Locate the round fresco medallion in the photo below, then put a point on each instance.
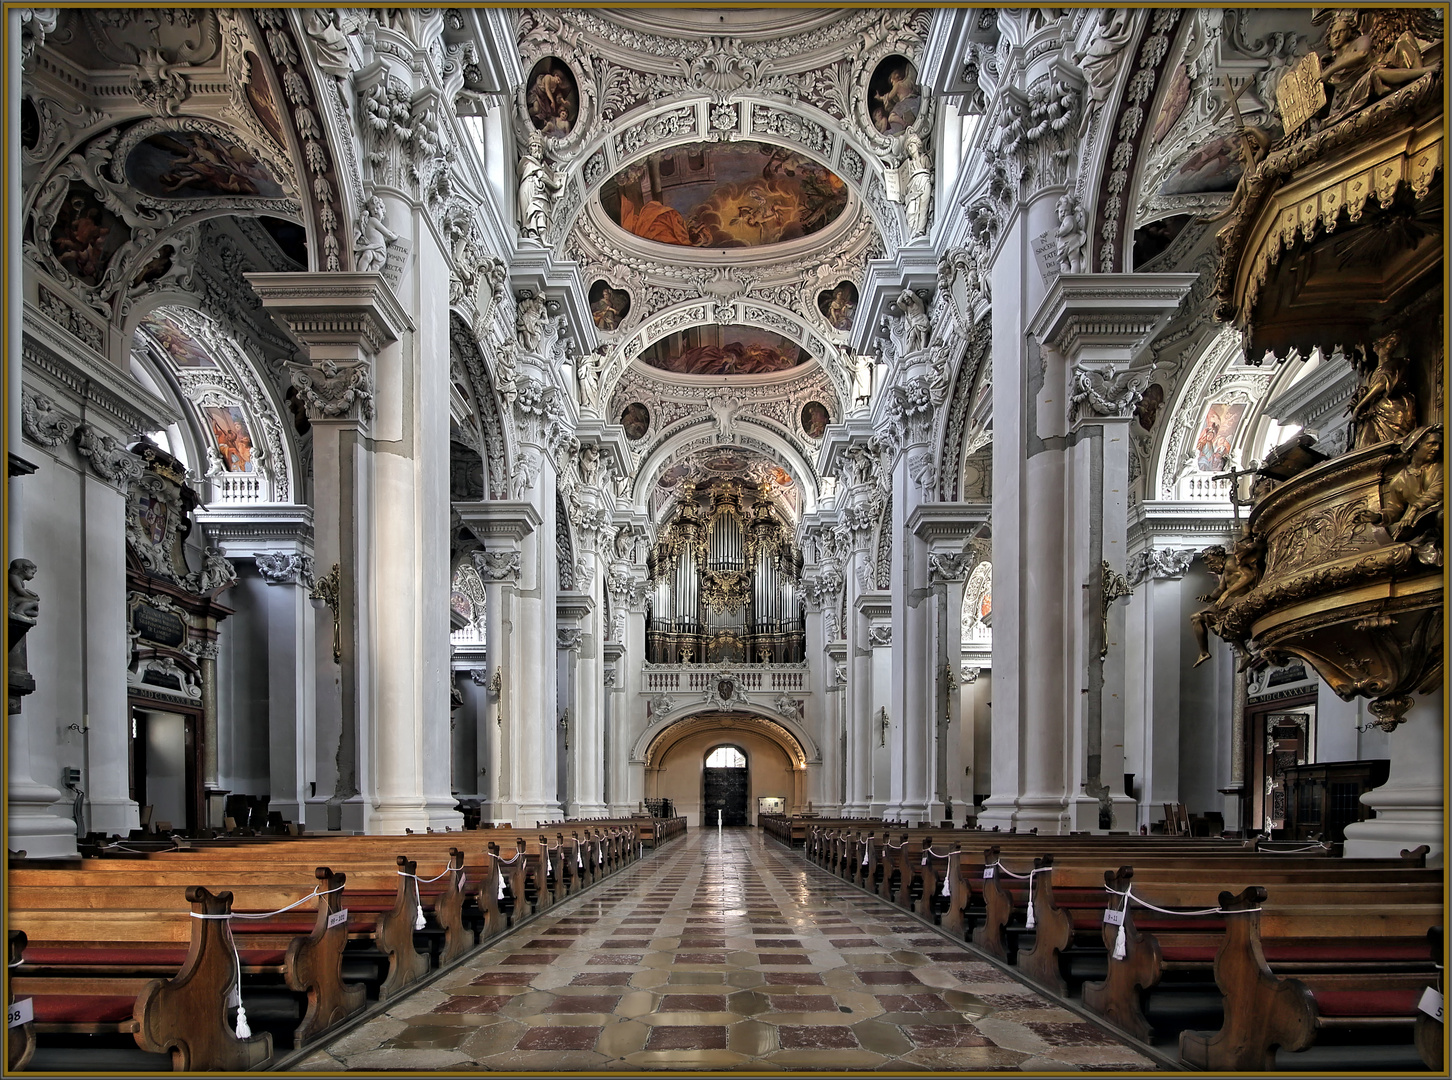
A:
(838, 305)
(552, 98)
(724, 195)
(724, 350)
(608, 307)
(635, 419)
(894, 97)
(815, 419)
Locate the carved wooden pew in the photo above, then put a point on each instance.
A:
(186, 1016)
(1295, 975)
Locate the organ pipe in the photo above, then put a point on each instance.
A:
(725, 582)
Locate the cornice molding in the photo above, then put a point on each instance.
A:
(84, 377)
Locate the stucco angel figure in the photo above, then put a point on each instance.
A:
(917, 188)
(370, 253)
(1071, 234)
(24, 604)
(538, 186)
(1239, 570)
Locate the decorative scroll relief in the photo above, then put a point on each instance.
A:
(43, 423)
(673, 124)
(790, 127)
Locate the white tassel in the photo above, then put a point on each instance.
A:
(579, 862)
(946, 883)
(1118, 952)
(501, 887)
(1028, 923)
(234, 997)
(243, 1031)
(418, 922)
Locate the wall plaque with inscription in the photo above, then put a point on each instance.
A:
(159, 626)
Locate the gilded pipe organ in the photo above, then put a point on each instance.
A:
(725, 579)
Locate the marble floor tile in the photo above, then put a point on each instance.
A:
(721, 956)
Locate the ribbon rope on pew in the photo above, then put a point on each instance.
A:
(1029, 877)
(1199, 913)
(244, 1031)
(931, 851)
(1322, 846)
(507, 862)
(418, 919)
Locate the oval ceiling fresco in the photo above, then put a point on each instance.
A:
(724, 195)
(724, 350)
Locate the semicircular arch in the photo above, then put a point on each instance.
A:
(739, 312)
(651, 746)
(699, 433)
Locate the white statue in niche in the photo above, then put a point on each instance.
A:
(587, 371)
(916, 326)
(538, 186)
(917, 187)
(370, 253)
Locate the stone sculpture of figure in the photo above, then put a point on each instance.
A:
(916, 326)
(1071, 235)
(538, 185)
(1358, 70)
(214, 462)
(330, 44)
(918, 186)
(370, 253)
(589, 460)
(530, 317)
(24, 604)
(1412, 496)
(1385, 410)
(588, 373)
(1239, 572)
(1099, 49)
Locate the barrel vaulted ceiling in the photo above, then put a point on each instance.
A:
(721, 196)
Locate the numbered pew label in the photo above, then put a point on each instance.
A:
(1113, 917)
(1431, 1004)
(23, 1011)
(338, 918)
(988, 872)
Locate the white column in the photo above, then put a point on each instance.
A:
(508, 531)
(380, 477)
(107, 654)
(1409, 805)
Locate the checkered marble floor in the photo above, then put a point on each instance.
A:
(725, 953)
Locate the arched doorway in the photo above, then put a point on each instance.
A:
(724, 783)
(675, 758)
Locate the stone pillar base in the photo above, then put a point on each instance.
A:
(442, 815)
(39, 833)
(1409, 805)
(528, 814)
(113, 817)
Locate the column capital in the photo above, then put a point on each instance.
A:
(1107, 319)
(499, 519)
(334, 313)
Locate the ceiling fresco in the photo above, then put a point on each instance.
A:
(724, 350)
(724, 195)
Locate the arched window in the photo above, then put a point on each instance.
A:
(726, 757)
